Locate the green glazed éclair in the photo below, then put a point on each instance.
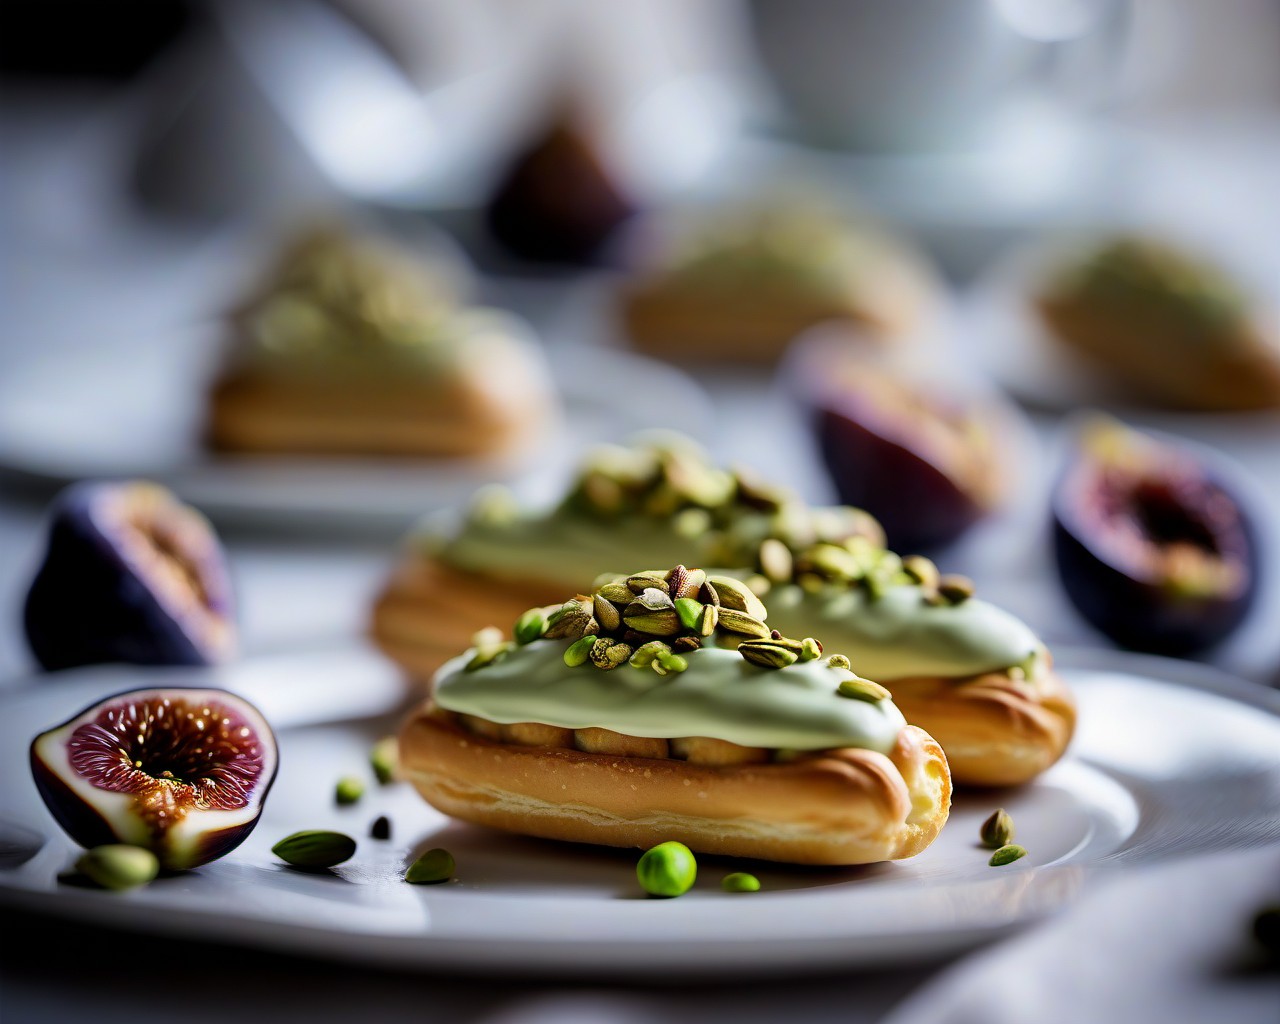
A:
(720, 695)
(825, 570)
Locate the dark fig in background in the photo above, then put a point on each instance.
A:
(1152, 546)
(131, 575)
(558, 202)
(183, 773)
(927, 464)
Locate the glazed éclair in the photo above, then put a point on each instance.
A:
(353, 348)
(662, 707)
(976, 677)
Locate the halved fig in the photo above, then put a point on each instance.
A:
(558, 202)
(927, 464)
(1152, 546)
(133, 575)
(183, 773)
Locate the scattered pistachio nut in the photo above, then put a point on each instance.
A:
(606, 613)
(863, 689)
(530, 626)
(667, 662)
(921, 570)
(737, 596)
(740, 881)
(1006, 855)
(839, 661)
(810, 649)
(690, 612)
(732, 620)
(579, 652)
(775, 560)
(646, 653)
(384, 759)
(997, 830)
(607, 653)
(118, 866)
(767, 653)
(432, 867)
(315, 848)
(348, 790)
(955, 589)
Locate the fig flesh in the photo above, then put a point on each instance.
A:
(1152, 547)
(183, 773)
(557, 203)
(927, 465)
(130, 574)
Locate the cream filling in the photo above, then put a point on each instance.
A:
(898, 635)
(720, 695)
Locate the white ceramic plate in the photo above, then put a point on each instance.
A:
(134, 410)
(1170, 759)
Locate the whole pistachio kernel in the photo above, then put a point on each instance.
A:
(863, 689)
(1006, 855)
(606, 613)
(431, 868)
(921, 570)
(708, 620)
(997, 830)
(955, 589)
(690, 612)
(668, 869)
(740, 881)
(118, 866)
(839, 661)
(578, 652)
(767, 653)
(315, 848)
(348, 790)
(733, 621)
(810, 649)
(384, 759)
(668, 662)
(529, 626)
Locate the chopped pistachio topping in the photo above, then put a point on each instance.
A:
(649, 620)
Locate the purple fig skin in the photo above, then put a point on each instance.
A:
(90, 604)
(920, 507)
(1144, 615)
(92, 773)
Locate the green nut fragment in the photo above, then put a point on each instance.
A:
(1006, 855)
(487, 655)
(608, 653)
(740, 881)
(646, 653)
(810, 649)
(997, 830)
(667, 662)
(348, 790)
(863, 689)
(955, 589)
(384, 759)
(921, 571)
(669, 869)
(839, 661)
(118, 866)
(690, 612)
(529, 626)
(432, 867)
(315, 848)
(767, 653)
(578, 652)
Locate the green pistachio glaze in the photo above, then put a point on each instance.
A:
(566, 550)
(898, 635)
(719, 695)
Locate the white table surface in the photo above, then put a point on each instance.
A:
(295, 589)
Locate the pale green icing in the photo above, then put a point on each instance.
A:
(720, 695)
(898, 635)
(568, 551)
